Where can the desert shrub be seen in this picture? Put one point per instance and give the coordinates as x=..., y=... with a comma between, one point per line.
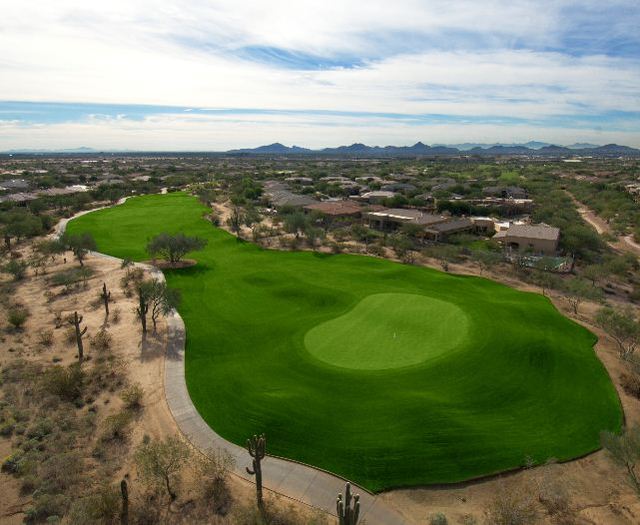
x=70, y=278
x=555, y=498
x=631, y=384
x=341, y=234
x=66, y=383
x=40, y=429
x=376, y=249
x=45, y=338
x=12, y=463
x=213, y=480
x=101, y=341
x=16, y=268
x=132, y=396
x=438, y=519
x=57, y=319
x=61, y=471
x=132, y=277
x=276, y=513
x=108, y=373
x=102, y=506
x=146, y=510
x=116, y=426
x=115, y=316
x=46, y=507
x=17, y=316
x=70, y=335
x=409, y=257
x=20, y=372
x=511, y=506
x=292, y=243
x=7, y=426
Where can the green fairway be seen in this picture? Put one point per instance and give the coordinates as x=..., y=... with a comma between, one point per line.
x=389, y=375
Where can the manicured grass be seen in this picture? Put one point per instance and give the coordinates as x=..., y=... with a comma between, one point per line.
x=478, y=378
x=389, y=330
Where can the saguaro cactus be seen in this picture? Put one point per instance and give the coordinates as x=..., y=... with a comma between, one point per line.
x=75, y=321
x=348, y=514
x=106, y=297
x=256, y=447
x=124, y=513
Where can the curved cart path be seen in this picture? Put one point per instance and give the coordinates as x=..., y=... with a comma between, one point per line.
x=299, y=482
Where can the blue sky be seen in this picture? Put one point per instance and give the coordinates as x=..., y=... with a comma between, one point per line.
x=215, y=75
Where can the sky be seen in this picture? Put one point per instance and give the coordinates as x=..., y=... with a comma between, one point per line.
x=212, y=75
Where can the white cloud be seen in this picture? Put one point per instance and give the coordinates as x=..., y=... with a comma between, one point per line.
x=183, y=53
x=219, y=133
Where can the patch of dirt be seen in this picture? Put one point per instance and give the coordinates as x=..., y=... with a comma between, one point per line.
x=623, y=244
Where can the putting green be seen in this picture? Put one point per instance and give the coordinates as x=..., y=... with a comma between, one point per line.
x=389, y=330
x=300, y=346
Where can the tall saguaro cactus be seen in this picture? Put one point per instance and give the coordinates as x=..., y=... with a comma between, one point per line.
x=256, y=447
x=124, y=513
x=348, y=514
x=75, y=321
x=106, y=297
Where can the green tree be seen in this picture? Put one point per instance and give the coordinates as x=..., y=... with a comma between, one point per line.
x=295, y=223
x=16, y=268
x=173, y=248
x=578, y=290
x=235, y=221
x=415, y=232
x=160, y=462
x=159, y=298
x=313, y=235
x=251, y=216
x=486, y=259
x=546, y=280
x=19, y=223
x=401, y=244
x=594, y=273
x=623, y=327
x=80, y=245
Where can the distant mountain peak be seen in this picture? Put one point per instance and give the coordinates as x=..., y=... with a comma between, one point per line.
x=358, y=149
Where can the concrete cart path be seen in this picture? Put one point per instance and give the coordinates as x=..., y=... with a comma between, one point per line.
x=299, y=482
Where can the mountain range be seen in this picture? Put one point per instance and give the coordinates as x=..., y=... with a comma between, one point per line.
x=419, y=149
x=532, y=148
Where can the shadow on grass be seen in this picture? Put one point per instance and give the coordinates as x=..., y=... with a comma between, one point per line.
x=195, y=270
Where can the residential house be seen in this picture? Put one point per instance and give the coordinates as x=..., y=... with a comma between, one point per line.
x=376, y=197
x=399, y=186
x=538, y=239
x=505, y=192
x=287, y=199
x=16, y=185
x=341, y=208
x=390, y=219
x=440, y=232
